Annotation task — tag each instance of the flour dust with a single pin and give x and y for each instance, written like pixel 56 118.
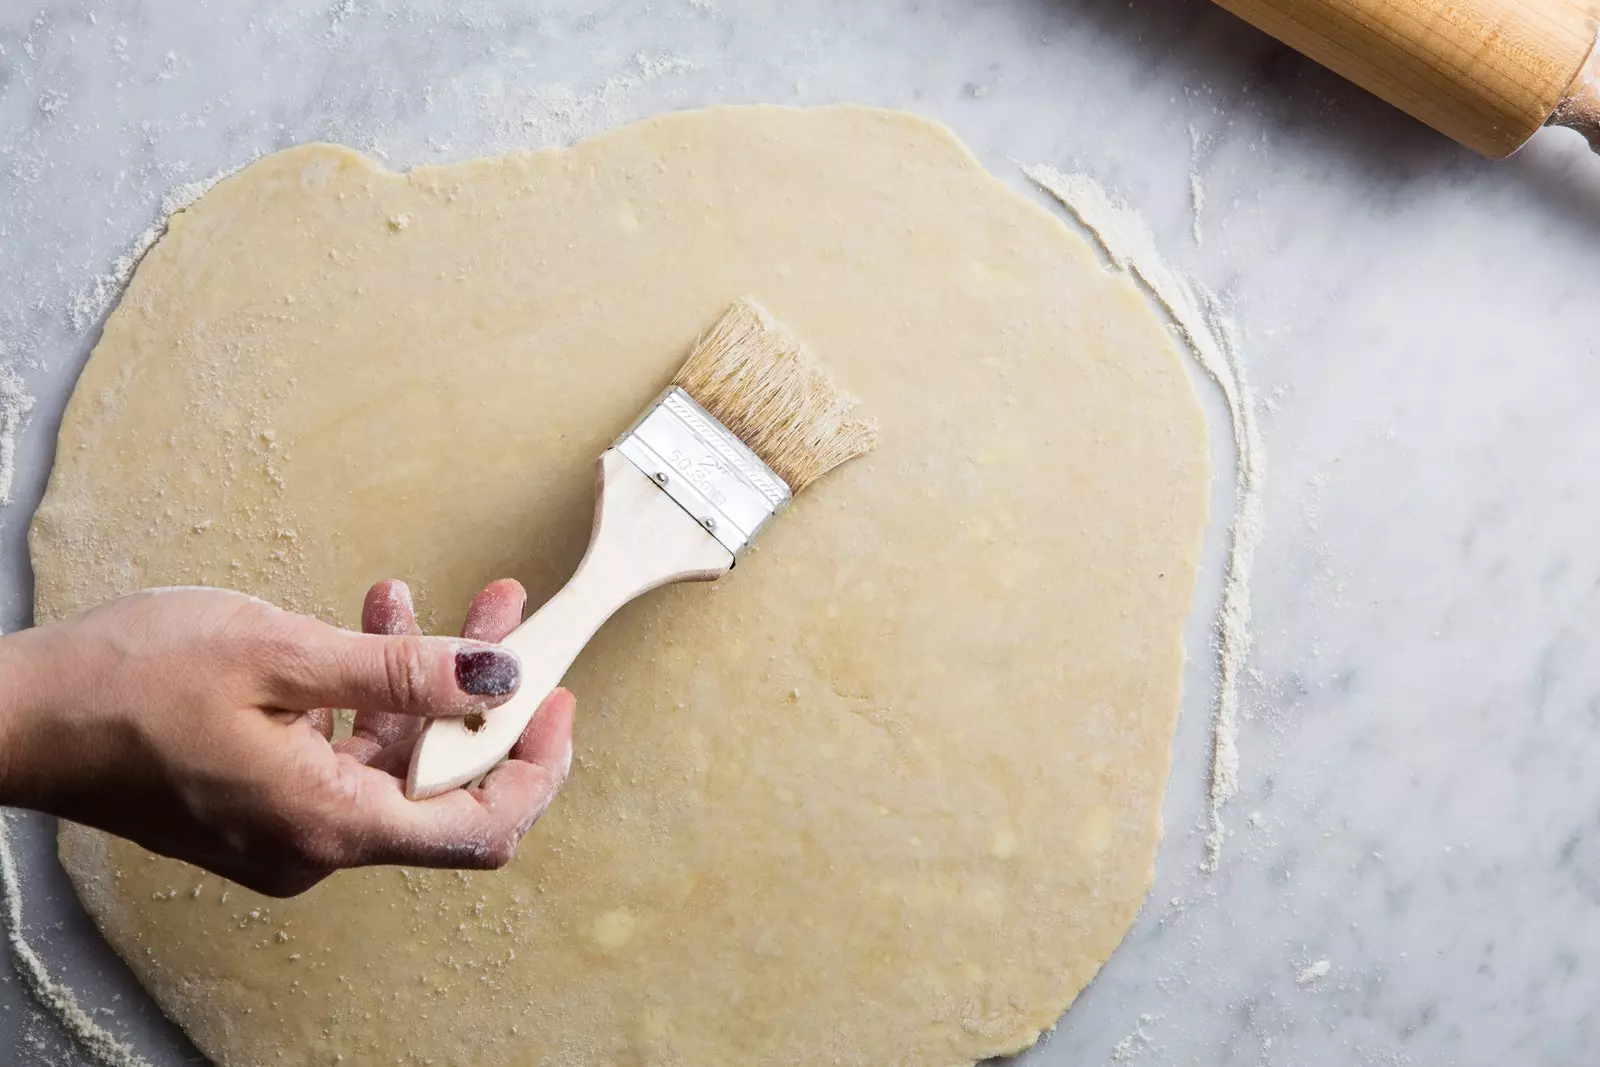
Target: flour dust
pixel 1312 973
pixel 57 999
pixel 558 113
pixel 94 300
pixel 1212 338
pixel 1197 189
pixel 15 403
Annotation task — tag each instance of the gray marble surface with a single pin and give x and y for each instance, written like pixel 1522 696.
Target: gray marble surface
pixel 1418 804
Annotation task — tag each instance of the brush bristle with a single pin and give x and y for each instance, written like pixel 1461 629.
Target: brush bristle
pixel 765 386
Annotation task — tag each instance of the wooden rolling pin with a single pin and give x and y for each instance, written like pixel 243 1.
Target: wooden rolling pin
pixel 1487 73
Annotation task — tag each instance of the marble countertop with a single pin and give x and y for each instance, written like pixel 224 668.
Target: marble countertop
pixel 1413 874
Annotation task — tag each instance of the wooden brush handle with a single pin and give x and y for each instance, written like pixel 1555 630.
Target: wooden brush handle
pixel 642 540
pixel 1487 73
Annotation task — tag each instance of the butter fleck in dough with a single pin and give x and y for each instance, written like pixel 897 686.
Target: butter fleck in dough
pixel 889 793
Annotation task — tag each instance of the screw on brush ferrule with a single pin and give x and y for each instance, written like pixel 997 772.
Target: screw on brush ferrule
pixel 705 469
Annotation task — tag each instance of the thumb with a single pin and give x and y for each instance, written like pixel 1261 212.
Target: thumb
pixel 406 675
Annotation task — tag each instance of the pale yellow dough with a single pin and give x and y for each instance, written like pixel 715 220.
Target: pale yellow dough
pixel 889 794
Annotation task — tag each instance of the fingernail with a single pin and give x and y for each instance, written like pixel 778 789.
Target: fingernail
pixel 566 762
pixel 487 672
pixel 403 592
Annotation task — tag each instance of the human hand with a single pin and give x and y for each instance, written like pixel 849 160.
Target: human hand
pixel 194 722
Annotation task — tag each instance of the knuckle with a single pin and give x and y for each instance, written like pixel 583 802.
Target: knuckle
pixel 405 671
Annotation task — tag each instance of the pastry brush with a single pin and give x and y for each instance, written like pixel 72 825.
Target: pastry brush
pixel 751 419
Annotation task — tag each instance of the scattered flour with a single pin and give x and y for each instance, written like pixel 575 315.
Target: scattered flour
pixel 15 403
pixel 557 113
pixel 96 299
pixel 1313 973
pixel 56 998
pixel 1136 1043
pixel 1213 339
pixel 52 103
pixel 1197 189
pixel 1197 195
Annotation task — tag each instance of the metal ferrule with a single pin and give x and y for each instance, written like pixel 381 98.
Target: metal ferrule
pixel 702 466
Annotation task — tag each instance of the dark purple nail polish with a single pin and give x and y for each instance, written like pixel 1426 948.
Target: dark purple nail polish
pixel 487 672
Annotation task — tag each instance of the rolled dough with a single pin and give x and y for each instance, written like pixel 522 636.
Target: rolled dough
pixel 888 794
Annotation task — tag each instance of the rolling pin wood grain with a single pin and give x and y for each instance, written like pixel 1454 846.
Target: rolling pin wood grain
pixel 1488 73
